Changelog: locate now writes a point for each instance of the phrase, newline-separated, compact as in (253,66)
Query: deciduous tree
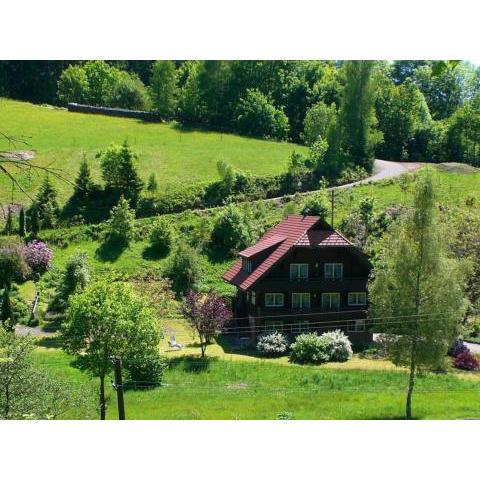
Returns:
(108,319)
(355,133)
(163,88)
(417,289)
(206,314)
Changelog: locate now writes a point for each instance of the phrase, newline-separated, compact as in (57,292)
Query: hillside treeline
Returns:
(402,110)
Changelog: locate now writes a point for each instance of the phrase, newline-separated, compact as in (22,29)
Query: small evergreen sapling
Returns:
(121,226)
(161,236)
(22,226)
(152,184)
(9,223)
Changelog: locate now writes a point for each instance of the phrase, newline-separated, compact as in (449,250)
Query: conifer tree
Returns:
(9,222)
(83,183)
(46,203)
(122,222)
(22,227)
(152,185)
(119,173)
(34,221)
(6,316)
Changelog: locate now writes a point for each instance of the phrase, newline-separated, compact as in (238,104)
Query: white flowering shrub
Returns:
(310,348)
(272,344)
(339,346)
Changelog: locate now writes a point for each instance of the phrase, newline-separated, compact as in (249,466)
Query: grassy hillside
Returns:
(176,156)
(453,188)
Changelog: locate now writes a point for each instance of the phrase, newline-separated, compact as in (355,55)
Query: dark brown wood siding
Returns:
(355,277)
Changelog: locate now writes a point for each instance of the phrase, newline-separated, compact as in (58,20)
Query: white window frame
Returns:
(332,266)
(298,268)
(357,325)
(301,326)
(275,302)
(246,265)
(253,298)
(302,303)
(272,326)
(354,298)
(330,295)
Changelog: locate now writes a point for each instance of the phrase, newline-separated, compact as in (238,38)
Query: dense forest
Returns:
(401,110)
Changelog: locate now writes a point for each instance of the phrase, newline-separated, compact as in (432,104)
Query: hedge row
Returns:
(251,188)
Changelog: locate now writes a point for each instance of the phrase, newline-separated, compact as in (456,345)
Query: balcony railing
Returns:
(318,283)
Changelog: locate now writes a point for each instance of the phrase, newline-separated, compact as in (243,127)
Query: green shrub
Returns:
(256,116)
(20,309)
(73,85)
(161,236)
(351,174)
(128,92)
(232,230)
(13,264)
(318,120)
(146,368)
(174,200)
(284,415)
(75,278)
(183,268)
(317,204)
(310,348)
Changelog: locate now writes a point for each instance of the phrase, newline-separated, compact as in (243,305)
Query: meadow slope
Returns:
(177,156)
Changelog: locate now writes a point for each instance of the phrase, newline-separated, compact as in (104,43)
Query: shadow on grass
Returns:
(191,363)
(49,342)
(217,254)
(154,253)
(110,250)
(231,344)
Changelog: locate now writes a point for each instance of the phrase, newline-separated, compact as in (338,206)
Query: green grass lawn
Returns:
(222,389)
(177,156)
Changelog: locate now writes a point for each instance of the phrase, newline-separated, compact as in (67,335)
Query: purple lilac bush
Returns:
(457,348)
(38,256)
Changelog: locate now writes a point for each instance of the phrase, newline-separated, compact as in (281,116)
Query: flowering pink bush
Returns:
(466,361)
(38,256)
(206,314)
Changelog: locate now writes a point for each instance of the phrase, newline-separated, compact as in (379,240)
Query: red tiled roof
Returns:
(322,238)
(261,245)
(292,228)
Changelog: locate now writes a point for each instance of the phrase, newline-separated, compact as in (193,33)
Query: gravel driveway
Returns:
(386,169)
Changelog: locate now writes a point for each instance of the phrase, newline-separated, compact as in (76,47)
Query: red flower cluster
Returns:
(466,361)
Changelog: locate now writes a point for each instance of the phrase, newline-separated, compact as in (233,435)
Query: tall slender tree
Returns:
(22,226)
(9,222)
(163,88)
(355,131)
(417,289)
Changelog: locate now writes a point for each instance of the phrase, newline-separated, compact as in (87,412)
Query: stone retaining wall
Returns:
(114,112)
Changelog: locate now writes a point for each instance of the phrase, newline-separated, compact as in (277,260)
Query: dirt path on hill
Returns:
(382,169)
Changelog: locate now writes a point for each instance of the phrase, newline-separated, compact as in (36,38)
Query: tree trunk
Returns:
(103,407)
(411,383)
(7,402)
